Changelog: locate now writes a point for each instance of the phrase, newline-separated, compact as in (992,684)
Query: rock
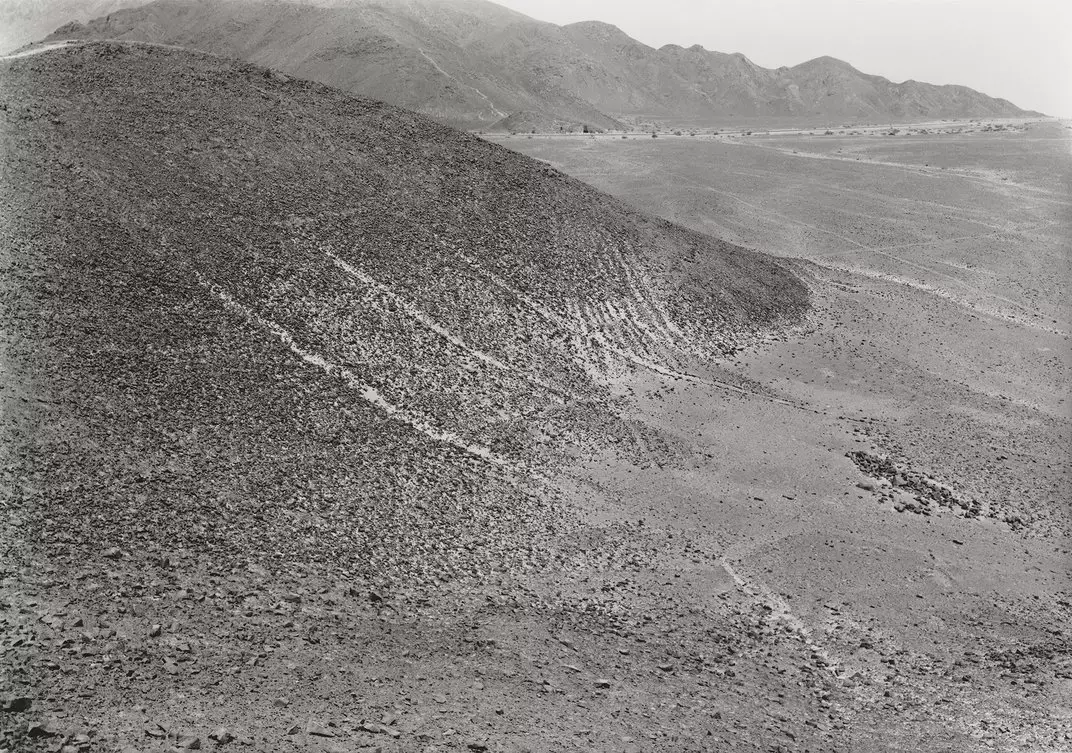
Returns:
(867,485)
(666,667)
(221,735)
(602,683)
(154,631)
(188,742)
(42,729)
(477,746)
(113,553)
(14,704)
(156,730)
(319,730)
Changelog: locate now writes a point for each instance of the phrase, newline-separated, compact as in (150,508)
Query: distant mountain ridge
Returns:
(475,64)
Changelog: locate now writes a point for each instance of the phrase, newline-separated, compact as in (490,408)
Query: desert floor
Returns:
(939,262)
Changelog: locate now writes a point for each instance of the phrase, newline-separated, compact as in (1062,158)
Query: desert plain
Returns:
(938,260)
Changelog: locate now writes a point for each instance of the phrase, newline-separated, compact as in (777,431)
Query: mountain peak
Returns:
(825,61)
(596,27)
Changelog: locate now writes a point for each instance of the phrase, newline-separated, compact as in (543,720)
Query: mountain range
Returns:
(474,64)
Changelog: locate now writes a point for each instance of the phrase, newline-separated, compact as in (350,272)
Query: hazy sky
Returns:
(1017,49)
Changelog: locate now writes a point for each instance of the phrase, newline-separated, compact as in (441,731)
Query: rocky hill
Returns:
(472,63)
(259,329)
(224,279)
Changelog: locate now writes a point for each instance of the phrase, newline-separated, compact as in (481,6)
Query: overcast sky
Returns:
(1017,49)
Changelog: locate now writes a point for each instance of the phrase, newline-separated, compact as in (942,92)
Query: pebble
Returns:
(14,704)
(221,735)
(41,729)
(319,730)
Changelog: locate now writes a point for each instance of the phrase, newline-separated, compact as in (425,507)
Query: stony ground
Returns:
(215,536)
(937,355)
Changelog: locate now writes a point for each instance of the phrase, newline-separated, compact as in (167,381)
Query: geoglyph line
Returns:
(780,611)
(37,50)
(610,349)
(416,313)
(369,393)
(422,318)
(483,96)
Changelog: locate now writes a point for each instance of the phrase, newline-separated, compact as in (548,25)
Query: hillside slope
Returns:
(286,367)
(413,54)
(472,63)
(228,270)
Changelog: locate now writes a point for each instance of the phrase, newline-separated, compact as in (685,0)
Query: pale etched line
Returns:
(417,314)
(611,349)
(38,50)
(439,68)
(780,610)
(945,294)
(938,241)
(421,317)
(655,320)
(367,391)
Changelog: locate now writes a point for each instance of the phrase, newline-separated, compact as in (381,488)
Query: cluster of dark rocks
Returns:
(928,494)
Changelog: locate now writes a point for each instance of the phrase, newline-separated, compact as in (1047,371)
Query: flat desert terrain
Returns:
(939,268)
